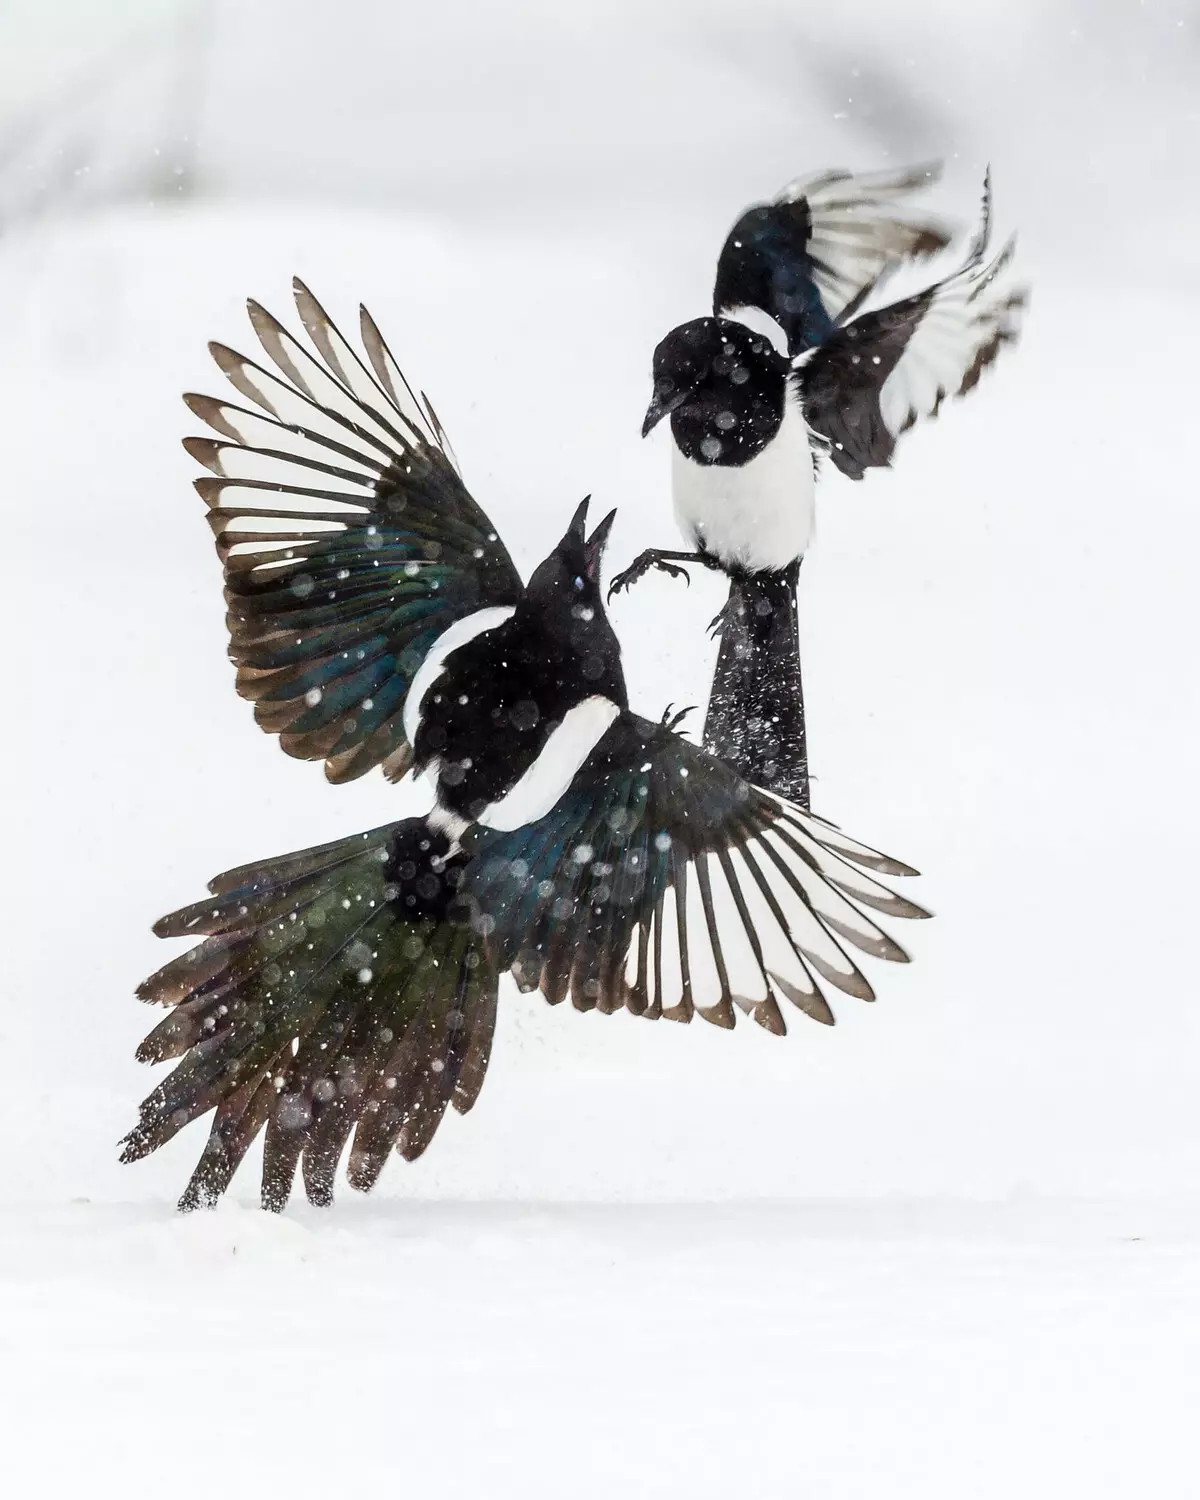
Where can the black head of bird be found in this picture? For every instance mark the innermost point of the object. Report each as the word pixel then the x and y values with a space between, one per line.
pixel 565 591
pixel 723 385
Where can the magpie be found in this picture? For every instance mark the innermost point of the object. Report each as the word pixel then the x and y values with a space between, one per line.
pixel 376 619
pixel 789 367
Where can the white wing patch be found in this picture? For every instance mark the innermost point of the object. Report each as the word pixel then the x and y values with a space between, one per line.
pixel 311 465
pixel 567 746
pixel 857 235
pixel 782 957
pixel 668 964
pixel 449 641
pixel 969 317
pixel 760 322
pixel 767 919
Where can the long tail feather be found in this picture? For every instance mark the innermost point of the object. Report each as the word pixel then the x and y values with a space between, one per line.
pixel 334 990
pixel 755 719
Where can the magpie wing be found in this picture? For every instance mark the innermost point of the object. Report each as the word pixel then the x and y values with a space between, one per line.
pixel 662 882
pixel 877 375
pixel 820 246
pixel 348 538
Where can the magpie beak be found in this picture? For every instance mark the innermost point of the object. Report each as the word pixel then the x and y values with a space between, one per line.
pixel 661 407
pixel 577 530
pixel 593 546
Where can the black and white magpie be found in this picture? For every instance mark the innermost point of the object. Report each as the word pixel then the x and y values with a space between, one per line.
pixel 376 619
pixel 790 367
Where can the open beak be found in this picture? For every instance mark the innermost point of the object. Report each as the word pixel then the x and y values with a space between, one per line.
pixel 661 407
pixel 594 546
pixel 577 530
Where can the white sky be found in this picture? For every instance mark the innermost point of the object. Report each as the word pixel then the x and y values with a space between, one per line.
pixel 46 44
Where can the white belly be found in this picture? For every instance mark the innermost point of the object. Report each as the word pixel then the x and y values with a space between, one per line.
pixel 759 516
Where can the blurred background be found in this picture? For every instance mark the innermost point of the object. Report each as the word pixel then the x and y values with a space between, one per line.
pixel 947 1248
pixel 998 635
pixel 533 115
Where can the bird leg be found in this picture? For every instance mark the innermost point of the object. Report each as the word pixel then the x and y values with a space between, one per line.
pixel 665 561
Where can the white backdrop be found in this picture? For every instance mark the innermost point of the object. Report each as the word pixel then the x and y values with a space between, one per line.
pixel 998 647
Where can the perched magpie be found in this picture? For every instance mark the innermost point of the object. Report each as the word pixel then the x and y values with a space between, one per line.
pixel 789 367
pixel 376 619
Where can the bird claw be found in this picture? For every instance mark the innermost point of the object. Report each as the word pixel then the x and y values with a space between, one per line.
pixel 670 722
pixel 640 567
pixel 722 617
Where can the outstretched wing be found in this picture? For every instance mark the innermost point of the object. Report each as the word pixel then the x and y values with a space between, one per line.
pixel 349 541
pixel 663 882
pixel 873 379
pixel 825 241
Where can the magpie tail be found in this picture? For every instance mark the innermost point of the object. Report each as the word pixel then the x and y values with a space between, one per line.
pixel 755 719
pixel 339 990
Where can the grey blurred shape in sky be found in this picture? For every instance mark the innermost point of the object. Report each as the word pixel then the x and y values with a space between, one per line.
pixel 672 112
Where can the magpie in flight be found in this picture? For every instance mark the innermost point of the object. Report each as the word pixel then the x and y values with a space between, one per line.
pixel 790 366
pixel 376 619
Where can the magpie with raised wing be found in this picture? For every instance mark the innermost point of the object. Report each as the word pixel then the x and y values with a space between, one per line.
pixel 348 993
pixel 791 367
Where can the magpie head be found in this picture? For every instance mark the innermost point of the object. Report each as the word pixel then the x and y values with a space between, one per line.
pixel 722 384
pixel 565 590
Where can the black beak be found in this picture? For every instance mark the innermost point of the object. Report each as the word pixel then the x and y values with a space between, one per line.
pixel 596 543
pixel 660 407
pixel 577 530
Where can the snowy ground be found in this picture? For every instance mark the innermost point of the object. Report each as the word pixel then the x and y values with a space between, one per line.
pixel 949 1248
pixel 907 1349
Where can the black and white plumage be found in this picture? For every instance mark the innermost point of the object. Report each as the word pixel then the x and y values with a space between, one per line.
pixel 350 991
pixel 789 367
pixel 875 376
pixel 809 257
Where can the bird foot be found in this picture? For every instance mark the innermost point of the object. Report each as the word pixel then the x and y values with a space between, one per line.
pixel 640 566
pixel 723 617
pixel 672 721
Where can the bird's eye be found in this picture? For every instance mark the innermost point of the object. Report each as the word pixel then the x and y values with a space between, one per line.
pixel 578 583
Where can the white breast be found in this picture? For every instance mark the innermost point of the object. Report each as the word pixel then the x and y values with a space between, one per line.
pixel 759 516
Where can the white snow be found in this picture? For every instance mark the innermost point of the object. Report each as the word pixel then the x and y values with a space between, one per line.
pixel 949 1248
pixel 534 1349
